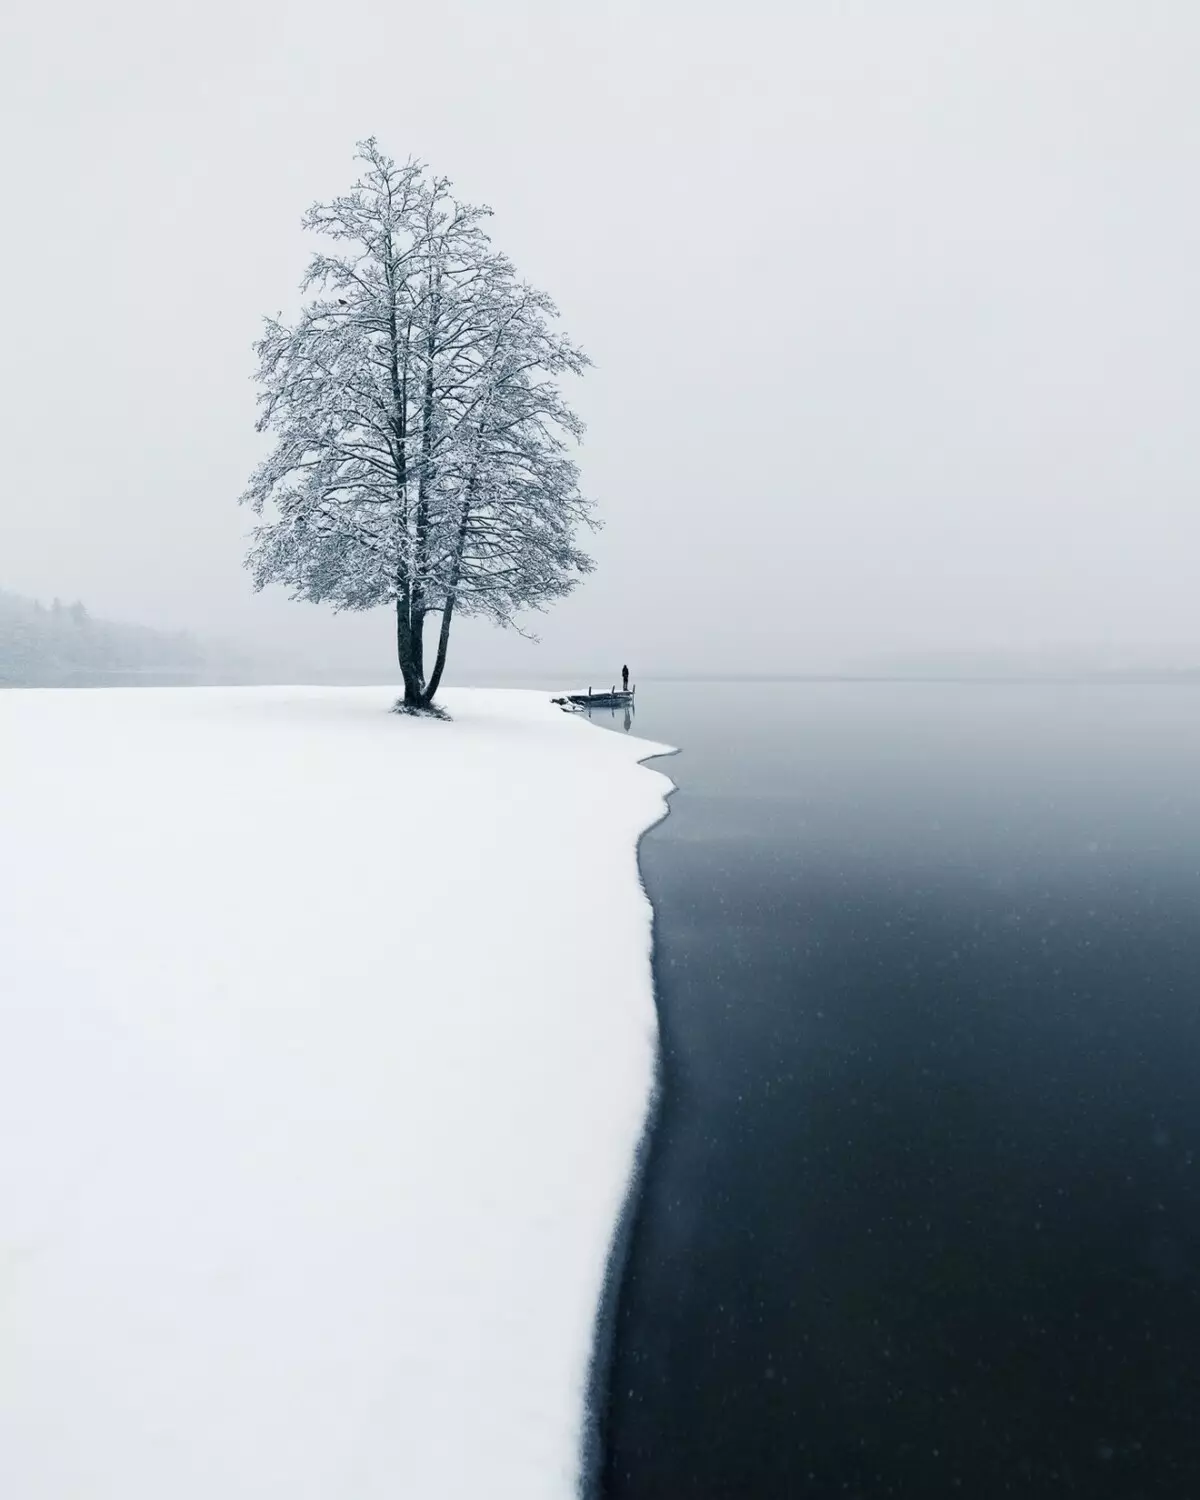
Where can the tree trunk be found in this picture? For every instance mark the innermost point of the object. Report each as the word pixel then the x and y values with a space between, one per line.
pixel 439 665
pixel 410 665
pixel 404 652
pixel 424 486
pixel 417 633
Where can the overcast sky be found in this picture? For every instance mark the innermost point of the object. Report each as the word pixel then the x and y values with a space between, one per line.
pixel 894 307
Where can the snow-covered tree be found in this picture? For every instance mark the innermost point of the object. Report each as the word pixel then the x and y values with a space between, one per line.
pixel 420 455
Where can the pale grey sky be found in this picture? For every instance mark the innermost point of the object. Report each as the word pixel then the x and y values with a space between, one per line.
pixel 894 307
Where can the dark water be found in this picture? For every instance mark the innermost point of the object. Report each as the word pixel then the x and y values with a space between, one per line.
pixel 922 1213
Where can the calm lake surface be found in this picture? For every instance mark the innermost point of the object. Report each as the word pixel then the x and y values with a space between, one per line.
pixel 921 1216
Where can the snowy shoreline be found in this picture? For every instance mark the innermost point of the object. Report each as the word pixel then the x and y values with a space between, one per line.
pixel 604 1328
pixel 326 1043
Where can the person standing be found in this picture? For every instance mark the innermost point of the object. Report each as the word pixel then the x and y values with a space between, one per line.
pixel 624 679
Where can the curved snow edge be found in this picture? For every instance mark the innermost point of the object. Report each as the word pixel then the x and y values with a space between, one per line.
pixel 600 1367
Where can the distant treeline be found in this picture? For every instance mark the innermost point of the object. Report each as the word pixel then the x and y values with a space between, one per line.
pixel 42 644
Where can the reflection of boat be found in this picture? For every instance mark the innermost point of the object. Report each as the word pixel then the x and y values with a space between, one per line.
pixel 614 698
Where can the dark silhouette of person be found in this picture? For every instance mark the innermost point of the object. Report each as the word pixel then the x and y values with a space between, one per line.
pixel 624 679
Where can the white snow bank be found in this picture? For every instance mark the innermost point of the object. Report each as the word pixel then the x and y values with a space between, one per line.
pixel 326 1037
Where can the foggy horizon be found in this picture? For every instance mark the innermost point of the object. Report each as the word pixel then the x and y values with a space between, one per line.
pixel 893 316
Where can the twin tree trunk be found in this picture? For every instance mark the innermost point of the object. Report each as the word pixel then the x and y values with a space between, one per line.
pixel 410 649
pixel 411 612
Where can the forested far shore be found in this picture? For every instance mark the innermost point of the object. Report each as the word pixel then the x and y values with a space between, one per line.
pixel 58 642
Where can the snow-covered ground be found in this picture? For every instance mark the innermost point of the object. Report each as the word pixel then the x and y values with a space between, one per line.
pixel 326 1037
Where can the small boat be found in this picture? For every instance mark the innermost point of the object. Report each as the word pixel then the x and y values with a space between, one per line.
pixel 614 698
